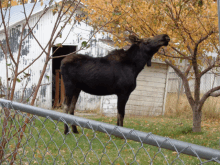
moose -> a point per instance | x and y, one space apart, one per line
115 73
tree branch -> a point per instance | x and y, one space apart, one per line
179 52
164 54
210 93
6 34
201 40
185 82
45 10
70 16
206 70
215 94
187 70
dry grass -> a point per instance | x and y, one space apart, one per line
181 108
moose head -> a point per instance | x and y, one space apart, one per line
149 46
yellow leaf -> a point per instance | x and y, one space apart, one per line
41 2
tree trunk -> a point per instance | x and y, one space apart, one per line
197 116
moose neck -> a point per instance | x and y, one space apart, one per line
139 58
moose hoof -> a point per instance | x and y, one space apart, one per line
66 132
76 132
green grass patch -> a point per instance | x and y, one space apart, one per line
45 143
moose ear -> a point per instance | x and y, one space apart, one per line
134 39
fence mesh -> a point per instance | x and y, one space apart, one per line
31 139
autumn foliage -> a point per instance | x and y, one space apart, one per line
8 3
185 21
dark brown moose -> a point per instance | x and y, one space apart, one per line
115 73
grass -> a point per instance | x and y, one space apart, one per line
47 144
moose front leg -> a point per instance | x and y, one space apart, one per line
74 129
122 100
120 118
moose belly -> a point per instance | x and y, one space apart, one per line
98 91
97 88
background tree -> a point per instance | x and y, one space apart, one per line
191 24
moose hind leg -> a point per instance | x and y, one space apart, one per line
122 100
66 110
69 93
72 108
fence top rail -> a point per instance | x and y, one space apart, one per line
143 137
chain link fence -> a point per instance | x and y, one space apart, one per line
31 135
